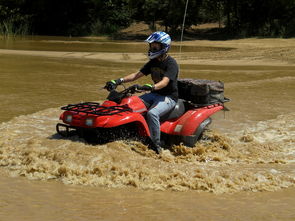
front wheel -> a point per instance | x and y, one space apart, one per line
105 135
93 137
190 141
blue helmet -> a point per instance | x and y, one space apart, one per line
160 37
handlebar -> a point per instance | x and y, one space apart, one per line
131 90
117 96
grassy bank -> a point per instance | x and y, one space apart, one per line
9 28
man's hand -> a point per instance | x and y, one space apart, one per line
112 85
146 87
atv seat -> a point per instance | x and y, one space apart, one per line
176 112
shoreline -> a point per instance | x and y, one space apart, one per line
242 52
187 58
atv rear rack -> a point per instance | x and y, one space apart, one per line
96 109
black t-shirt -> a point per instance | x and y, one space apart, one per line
158 70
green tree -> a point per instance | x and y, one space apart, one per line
108 16
212 11
168 12
83 17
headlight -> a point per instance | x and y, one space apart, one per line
89 122
69 118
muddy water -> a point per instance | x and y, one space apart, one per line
243 171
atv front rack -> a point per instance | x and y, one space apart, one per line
96 109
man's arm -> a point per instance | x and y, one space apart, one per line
161 84
111 85
133 77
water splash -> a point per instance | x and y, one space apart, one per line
259 159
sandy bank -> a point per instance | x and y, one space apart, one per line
242 52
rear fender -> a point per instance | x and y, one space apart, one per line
188 123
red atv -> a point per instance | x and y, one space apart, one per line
122 115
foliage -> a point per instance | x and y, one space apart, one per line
85 17
168 12
109 16
13 22
262 18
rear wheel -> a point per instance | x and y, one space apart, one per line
190 141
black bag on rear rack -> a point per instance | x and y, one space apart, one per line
201 92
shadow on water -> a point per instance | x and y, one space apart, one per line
91 139
73 138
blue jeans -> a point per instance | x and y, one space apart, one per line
160 105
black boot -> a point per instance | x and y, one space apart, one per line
157 148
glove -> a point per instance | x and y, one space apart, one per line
146 87
112 85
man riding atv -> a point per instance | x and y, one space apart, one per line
163 94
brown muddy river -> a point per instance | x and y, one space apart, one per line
245 171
